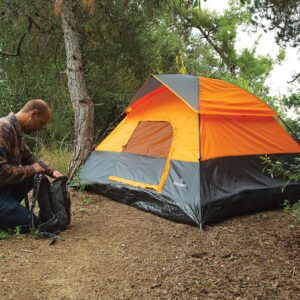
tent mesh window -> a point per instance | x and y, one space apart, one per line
151 138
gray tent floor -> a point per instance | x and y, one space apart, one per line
113 251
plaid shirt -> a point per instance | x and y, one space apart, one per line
16 159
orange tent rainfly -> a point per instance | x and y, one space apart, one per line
189 149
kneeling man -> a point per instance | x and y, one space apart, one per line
18 164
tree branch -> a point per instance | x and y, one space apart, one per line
294 78
18 52
230 66
36 24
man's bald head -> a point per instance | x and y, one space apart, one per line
39 105
34 115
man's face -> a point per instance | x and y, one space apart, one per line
35 122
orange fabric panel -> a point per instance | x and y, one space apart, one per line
243 135
151 139
162 105
218 97
119 137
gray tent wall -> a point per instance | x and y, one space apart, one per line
179 199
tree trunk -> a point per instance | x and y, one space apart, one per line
82 105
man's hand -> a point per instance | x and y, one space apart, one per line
57 174
38 168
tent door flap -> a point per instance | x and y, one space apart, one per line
145 158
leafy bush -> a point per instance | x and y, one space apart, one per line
291 173
293 209
4 235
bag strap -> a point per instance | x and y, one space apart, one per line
45 235
27 202
36 188
26 196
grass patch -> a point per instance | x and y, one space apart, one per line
88 200
4 235
56 158
82 210
293 209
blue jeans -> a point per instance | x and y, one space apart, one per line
12 213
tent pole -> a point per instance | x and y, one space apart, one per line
199 159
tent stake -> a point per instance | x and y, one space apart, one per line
201 228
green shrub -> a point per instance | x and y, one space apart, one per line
13 232
4 235
293 209
291 173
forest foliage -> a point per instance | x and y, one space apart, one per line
122 43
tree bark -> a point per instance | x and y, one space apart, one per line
82 105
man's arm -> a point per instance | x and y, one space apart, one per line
10 174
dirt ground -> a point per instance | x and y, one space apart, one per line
113 251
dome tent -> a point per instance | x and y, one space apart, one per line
189 149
